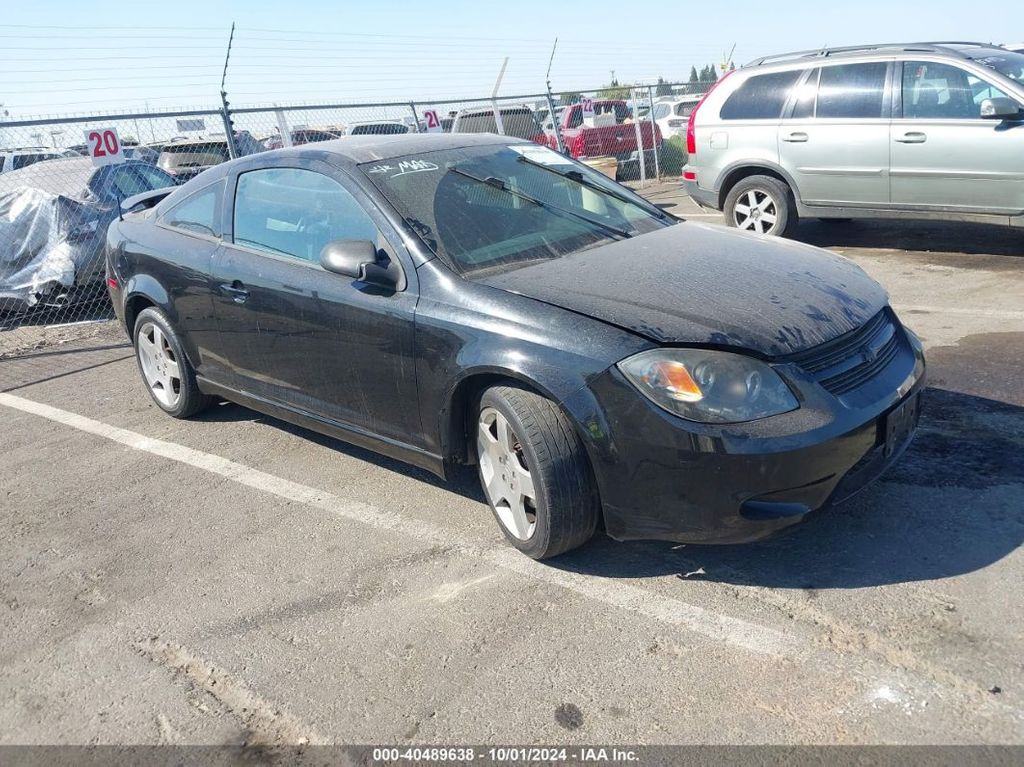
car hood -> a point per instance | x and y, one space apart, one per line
702 284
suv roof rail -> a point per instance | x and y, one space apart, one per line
944 46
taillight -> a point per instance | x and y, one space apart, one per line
576 147
112 283
691 124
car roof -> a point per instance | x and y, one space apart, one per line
955 49
490 110
174 143
371 147
67 175
385 121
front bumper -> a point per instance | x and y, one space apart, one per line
665 478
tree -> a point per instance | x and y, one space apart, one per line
662 88
613 90
693 75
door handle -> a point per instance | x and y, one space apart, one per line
914 137
236 290
796 138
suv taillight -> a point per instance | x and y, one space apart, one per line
691 124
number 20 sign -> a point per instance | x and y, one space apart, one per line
104 146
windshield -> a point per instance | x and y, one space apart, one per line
1007 63
498 207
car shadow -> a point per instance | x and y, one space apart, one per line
948 507
952 237
464 482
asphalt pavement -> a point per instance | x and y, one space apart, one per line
236 579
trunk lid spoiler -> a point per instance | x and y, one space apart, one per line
144 201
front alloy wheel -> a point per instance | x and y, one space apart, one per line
534 472
506 477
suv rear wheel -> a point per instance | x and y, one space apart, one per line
761 204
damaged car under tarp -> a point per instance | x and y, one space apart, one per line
53 222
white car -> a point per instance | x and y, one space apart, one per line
671 115
16 159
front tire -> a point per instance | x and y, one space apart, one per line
166 371
761 204
534 472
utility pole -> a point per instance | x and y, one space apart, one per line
229 128
551 103
494 99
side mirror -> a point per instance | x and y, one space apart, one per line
999 108
356 259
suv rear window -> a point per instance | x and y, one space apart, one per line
24 160
517 122
379 129
761 97
193 155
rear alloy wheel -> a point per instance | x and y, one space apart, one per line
165 369
534 472
760 204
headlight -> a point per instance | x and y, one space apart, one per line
709 386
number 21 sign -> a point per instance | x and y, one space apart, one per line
104 146
433 121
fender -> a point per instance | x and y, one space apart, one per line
142 285
759 164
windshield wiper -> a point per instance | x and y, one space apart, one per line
497 183
579 178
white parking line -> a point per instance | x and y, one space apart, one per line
999 314
735 631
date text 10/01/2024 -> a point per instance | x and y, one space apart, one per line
504 754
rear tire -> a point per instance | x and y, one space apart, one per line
166 371
763 205
534 472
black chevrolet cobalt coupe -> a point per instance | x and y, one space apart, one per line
474 299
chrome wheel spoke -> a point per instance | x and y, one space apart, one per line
171 369
519 523
524 483
496 489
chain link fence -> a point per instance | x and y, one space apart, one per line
57 200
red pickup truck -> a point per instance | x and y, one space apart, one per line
618 140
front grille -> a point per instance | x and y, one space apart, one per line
843 364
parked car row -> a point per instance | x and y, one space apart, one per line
54 216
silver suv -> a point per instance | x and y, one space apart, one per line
924 130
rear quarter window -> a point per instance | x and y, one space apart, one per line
761 97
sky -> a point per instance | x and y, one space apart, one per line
64 57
